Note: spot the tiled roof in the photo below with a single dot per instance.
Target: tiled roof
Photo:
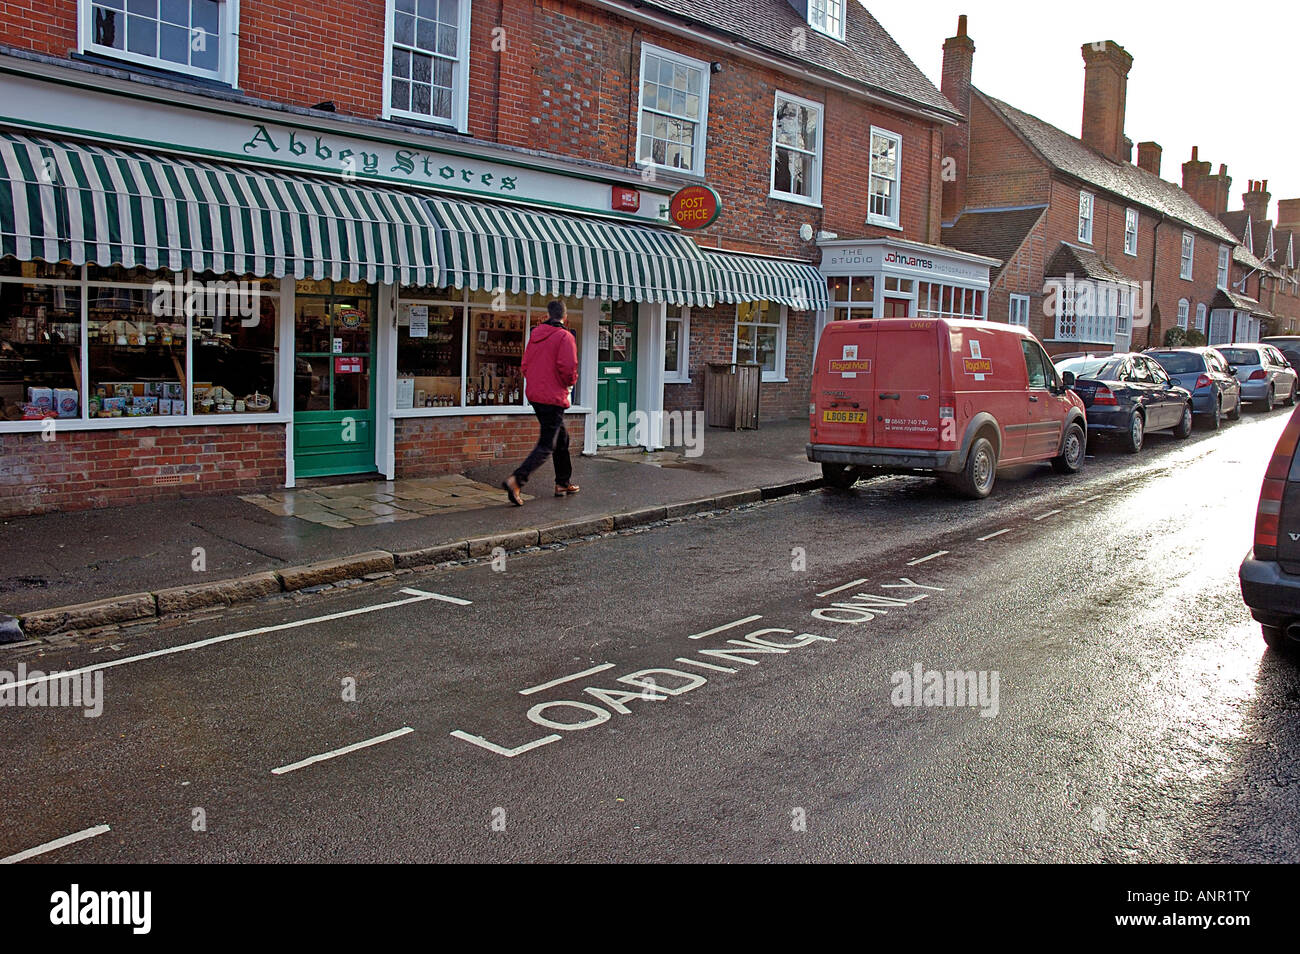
(1070, 156)
(869, 56)
(996, 234)
(1236, 222)
(1072, 260)
(1230, 299)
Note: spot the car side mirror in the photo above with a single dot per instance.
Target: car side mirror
(1232, 371)
(1068, 378)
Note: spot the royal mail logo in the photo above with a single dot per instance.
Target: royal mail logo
(851, 366)
(979, 366)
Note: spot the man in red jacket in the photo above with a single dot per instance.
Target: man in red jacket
(550, 370)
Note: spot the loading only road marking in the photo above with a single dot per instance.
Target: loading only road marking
(55, 844)
(661, 684)
(415, 596)
(846, 586)
(335, 753)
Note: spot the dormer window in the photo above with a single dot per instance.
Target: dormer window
(827, 16)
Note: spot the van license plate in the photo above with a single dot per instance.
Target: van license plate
(844, 417)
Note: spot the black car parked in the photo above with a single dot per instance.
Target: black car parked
(1127, 395)
(1270, 574)
(1289, 345)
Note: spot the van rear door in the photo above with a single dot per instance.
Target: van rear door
(908, 384)
(843, 404)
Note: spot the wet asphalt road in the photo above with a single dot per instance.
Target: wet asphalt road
(1138, 716)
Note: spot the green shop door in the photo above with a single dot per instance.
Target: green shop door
(333, 379)
(616, 373)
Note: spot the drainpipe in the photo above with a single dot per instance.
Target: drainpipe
(1155, 258)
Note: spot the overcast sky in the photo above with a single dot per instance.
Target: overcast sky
(1219, 76)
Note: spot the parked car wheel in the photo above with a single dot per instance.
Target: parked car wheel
(840, 476)
(1184, 427)
(981, 470)
(1072, 451)
(1276, 639)
(1215, 419)
(1235, 413)
(1270, 401)
(1132, 441)
(1290, 398)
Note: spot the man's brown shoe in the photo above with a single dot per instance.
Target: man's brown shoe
(566, 490)
(511, 487)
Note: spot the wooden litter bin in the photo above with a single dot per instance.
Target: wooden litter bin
(731, 393)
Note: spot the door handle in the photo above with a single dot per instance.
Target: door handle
(891, 397)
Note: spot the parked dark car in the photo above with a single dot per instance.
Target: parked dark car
(1266, 379)
(1127, 395)
(1289, 345)
(1216, 392)
(1270, 574)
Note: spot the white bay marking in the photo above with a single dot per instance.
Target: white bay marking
(1050, 513)
(927, 559)
(187, 647)
(386, 737)
(55, 844)
(723, 628)
(992, 535)
(846, 586)
(555, 682)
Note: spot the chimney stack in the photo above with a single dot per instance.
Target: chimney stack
(1149, 155)
(1255, 202)
(1211, 192)
(1127, 155)
(958, 61)
(1105, 94)
(1288, 215)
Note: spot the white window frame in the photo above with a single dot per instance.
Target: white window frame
(1184, 312)
(1187, 264)
(1131, 222)
(460, 78)
(1202, 315)
(890, 221)
(226, 72)
(1087, 213)
(828, 8)
(682, 374)
(702, 137)
(1225, 265)
(815, 199)
(777, 375)
(1018, 308)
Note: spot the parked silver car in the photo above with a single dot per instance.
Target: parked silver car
(1266, 378)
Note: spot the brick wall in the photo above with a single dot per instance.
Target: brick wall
(81, 470)
(428, 446)
(713, 336)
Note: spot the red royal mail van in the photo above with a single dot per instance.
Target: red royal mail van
(958, 398)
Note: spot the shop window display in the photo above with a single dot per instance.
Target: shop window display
(40, 344)
(235, 337)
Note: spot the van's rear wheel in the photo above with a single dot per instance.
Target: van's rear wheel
(840, 476)
(981, 470)
(1072, 451)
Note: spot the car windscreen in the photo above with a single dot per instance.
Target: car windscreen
(1104, 367)
(1180, 362)
(1240, 355)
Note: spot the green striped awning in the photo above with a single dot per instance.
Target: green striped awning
(740, 278)
(541, 253)
(82, 203)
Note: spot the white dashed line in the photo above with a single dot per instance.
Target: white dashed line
(927, 559)
(719, 629)
(993, 535)
(405, 730)
(846, 586)
(57, 843)
(555, 682)
(1051, 513)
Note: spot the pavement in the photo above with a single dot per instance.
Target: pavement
(729, 687)
(195, 546)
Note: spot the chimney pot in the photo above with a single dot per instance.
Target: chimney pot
(961, 25)
(1196, 153)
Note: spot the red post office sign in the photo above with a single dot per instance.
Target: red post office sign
(694, 207)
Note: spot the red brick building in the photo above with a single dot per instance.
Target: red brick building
(363, 208)
(1265, 297)
(1098, 252)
